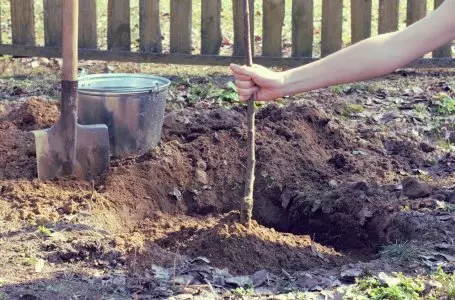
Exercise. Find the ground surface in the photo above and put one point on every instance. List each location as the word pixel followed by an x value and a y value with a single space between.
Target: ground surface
pixel 351 181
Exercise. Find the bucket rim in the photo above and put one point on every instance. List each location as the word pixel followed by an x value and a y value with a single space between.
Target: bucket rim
pixel 162 84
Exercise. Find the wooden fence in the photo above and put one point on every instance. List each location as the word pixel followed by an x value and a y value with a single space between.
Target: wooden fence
pixel 180 52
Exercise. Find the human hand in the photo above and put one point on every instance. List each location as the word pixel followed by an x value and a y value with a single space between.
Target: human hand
pixel 267 84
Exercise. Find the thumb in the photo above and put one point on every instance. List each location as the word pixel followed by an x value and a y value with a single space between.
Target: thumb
pixel 243 70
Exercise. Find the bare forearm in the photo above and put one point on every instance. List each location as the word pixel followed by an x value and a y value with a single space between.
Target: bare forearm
pixel 375 56
pixel 367 59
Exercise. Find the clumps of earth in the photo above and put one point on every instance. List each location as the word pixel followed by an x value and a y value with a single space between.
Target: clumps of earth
pixel 324 195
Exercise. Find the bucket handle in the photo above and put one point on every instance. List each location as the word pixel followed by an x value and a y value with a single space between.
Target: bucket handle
pixel 155 89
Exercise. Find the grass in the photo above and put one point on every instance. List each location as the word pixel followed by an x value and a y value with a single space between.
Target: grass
pixel 44 231
pixel 398 252
pixel 226 19
pixel 397 286
pixel 353 109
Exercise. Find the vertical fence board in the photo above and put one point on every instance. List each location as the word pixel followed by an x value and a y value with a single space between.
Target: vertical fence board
pixel 52 11
pixel 119 28
pixel 211 36
pixel 88 37
pixel 1 40
pixel 302 28
pixel 332 22
pixel 239 48
pixel 444 51
pixel 181 25
pixel 149 26
pixel 360 20
pixel 388 16
pixel 417 9
pixel 272 27
pixel 23 22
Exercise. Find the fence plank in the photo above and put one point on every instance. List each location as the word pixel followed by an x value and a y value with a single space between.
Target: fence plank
pixel 388 16
pixel 119 28
pixel 417 9
pixel 332 22
pixel 1 40
pixel 88 37
pixel 211 36
pixel 23 22
pixel 181 25
pixel 149 26
pixel 239 48
pixel 444 51
pixel 360 20
pixel 272 27
pixel 302 28
pixel 52 11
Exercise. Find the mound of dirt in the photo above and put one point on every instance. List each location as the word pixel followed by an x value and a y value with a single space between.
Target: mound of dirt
pixel 17 145
pixel 36 113
pixel 229 244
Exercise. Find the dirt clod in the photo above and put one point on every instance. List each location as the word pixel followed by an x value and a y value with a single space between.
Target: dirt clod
pixel 414 189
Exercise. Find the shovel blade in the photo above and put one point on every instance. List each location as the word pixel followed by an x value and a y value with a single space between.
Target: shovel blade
pixel 89 158
pixel 92 150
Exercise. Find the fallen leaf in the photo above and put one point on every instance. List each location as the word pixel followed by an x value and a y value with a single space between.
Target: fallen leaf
pixel 317 253
pixel 364 214
pixel 161 273
pixel 286 197
pixel 39 265
pixel 447 257
pixel 259 278
pixel 177 194
pixel 240 281
pixel 184 279
pixel 201 259
pixel 307 282
pixel 350 275
pixel 388 280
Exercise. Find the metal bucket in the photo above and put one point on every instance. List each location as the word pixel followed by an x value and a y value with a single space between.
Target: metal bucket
pixel 131 105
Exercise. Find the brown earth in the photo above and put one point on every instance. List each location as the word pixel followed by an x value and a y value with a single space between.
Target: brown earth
pixel 337 194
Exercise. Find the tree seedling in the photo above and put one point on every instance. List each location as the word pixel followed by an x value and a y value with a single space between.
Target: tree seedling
pixel 246 210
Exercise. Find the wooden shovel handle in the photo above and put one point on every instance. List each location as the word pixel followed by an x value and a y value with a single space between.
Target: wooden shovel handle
pixel 70 39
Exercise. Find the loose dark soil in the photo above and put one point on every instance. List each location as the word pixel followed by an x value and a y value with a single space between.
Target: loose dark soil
pixel 325 195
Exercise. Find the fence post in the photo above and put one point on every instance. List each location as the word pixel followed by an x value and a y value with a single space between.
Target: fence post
pixel 211 36
pixel 181 25
pixel 88 37
pixel 360 20
pixel 302 28
pixel 239 49
pixel 23 22
pixel 272 27
pixel 332 26
pixel 149 26
pixel 388 16
pixel 52 13
pixel 444 51
pixel 119 28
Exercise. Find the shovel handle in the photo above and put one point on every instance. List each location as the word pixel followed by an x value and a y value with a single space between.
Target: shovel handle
pixel 70 39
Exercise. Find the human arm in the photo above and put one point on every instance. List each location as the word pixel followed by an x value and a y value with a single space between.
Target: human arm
pixel 369 58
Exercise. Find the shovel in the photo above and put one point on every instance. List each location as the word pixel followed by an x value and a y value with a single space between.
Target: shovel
pixel 67 148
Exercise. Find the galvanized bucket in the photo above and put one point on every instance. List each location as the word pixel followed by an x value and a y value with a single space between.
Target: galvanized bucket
pixel 131 105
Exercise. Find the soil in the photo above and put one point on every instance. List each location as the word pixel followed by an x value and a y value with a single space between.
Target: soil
pixel 326 194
